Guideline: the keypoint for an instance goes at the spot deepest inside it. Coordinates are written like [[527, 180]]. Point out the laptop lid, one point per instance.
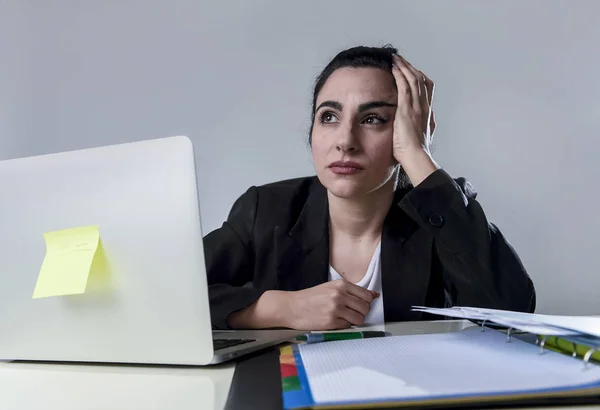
[[146, 301]]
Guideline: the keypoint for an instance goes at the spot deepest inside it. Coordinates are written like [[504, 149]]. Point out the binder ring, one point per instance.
[[508, 336], [574, 349], [542, 343], [588, 355], [483, 325]]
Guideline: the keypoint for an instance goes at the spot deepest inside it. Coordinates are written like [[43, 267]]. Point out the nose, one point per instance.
[[343, 147], [346, 141]]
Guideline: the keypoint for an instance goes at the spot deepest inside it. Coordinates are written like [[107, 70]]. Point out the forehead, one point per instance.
[[360, 84]]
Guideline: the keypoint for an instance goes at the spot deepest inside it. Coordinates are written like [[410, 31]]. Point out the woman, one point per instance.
[[381, 227]]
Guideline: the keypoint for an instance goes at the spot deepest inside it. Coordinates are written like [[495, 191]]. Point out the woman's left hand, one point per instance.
[[414, 123]]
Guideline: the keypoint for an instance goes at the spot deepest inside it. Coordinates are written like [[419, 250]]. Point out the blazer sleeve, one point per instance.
[[229, 255], [480, 267]]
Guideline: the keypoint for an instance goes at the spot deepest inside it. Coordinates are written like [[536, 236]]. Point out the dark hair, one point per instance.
[[355, 57]]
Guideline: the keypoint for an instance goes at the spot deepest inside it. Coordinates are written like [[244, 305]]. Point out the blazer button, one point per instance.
[[436, 220]]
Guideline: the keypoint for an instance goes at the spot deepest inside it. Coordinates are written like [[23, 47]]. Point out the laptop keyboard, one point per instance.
[[219, 344]]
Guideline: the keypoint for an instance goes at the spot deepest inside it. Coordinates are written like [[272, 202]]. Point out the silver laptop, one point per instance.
[[147, 302]]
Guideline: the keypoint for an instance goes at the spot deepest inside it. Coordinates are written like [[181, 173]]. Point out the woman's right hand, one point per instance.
[[337, 304]]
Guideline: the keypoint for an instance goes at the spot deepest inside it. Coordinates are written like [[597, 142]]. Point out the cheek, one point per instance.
[[380, 151], [319, 150]]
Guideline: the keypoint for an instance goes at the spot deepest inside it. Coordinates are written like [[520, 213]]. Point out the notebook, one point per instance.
[[462, 368]]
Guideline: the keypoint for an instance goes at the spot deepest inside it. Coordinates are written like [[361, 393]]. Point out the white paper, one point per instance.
[[468, 363], [589, 325], [585, 324], [533, 323]]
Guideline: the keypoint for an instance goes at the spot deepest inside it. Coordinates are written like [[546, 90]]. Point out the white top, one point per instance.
[[371, 281]]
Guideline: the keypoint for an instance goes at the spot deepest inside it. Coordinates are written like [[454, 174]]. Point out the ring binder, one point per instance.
[[331, 375]]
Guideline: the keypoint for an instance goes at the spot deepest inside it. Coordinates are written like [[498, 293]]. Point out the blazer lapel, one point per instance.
[[405, 268], [302, 253]]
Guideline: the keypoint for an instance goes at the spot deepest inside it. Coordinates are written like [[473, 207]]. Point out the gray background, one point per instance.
[[517, 100]]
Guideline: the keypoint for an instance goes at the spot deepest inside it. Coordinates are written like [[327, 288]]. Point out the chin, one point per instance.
[[343, 192], [346, 188], [351, 187]]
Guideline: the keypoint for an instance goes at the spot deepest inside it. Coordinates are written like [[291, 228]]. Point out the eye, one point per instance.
[[374, 119], [327, 117]]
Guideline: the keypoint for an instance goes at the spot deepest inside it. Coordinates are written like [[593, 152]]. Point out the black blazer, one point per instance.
[[438, 249]]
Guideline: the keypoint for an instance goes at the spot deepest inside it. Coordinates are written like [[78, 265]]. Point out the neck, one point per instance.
[[361, 217]]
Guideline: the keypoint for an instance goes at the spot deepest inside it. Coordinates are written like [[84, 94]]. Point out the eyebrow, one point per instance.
[[362, 107]]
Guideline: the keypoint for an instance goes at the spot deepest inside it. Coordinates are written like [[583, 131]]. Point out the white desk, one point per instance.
[[29, 386], [32, 386]]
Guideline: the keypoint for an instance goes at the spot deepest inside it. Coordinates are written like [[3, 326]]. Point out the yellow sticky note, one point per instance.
[[71, 254]]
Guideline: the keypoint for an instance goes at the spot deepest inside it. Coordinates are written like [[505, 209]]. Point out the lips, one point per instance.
[[345, 167]]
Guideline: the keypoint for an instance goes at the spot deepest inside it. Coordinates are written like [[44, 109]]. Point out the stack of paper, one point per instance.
[[587, 327]]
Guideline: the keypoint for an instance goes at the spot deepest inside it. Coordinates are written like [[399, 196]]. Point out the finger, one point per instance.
[[359, 292], [340, 324], [426, 87], [429, 86], [404, 93], [350, 316], [425, 97], [413, 82], [423, 92], [420, 77], [357, 304], [424, 102]]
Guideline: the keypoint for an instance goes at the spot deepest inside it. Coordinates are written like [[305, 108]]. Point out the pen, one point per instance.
[[328, 337]]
